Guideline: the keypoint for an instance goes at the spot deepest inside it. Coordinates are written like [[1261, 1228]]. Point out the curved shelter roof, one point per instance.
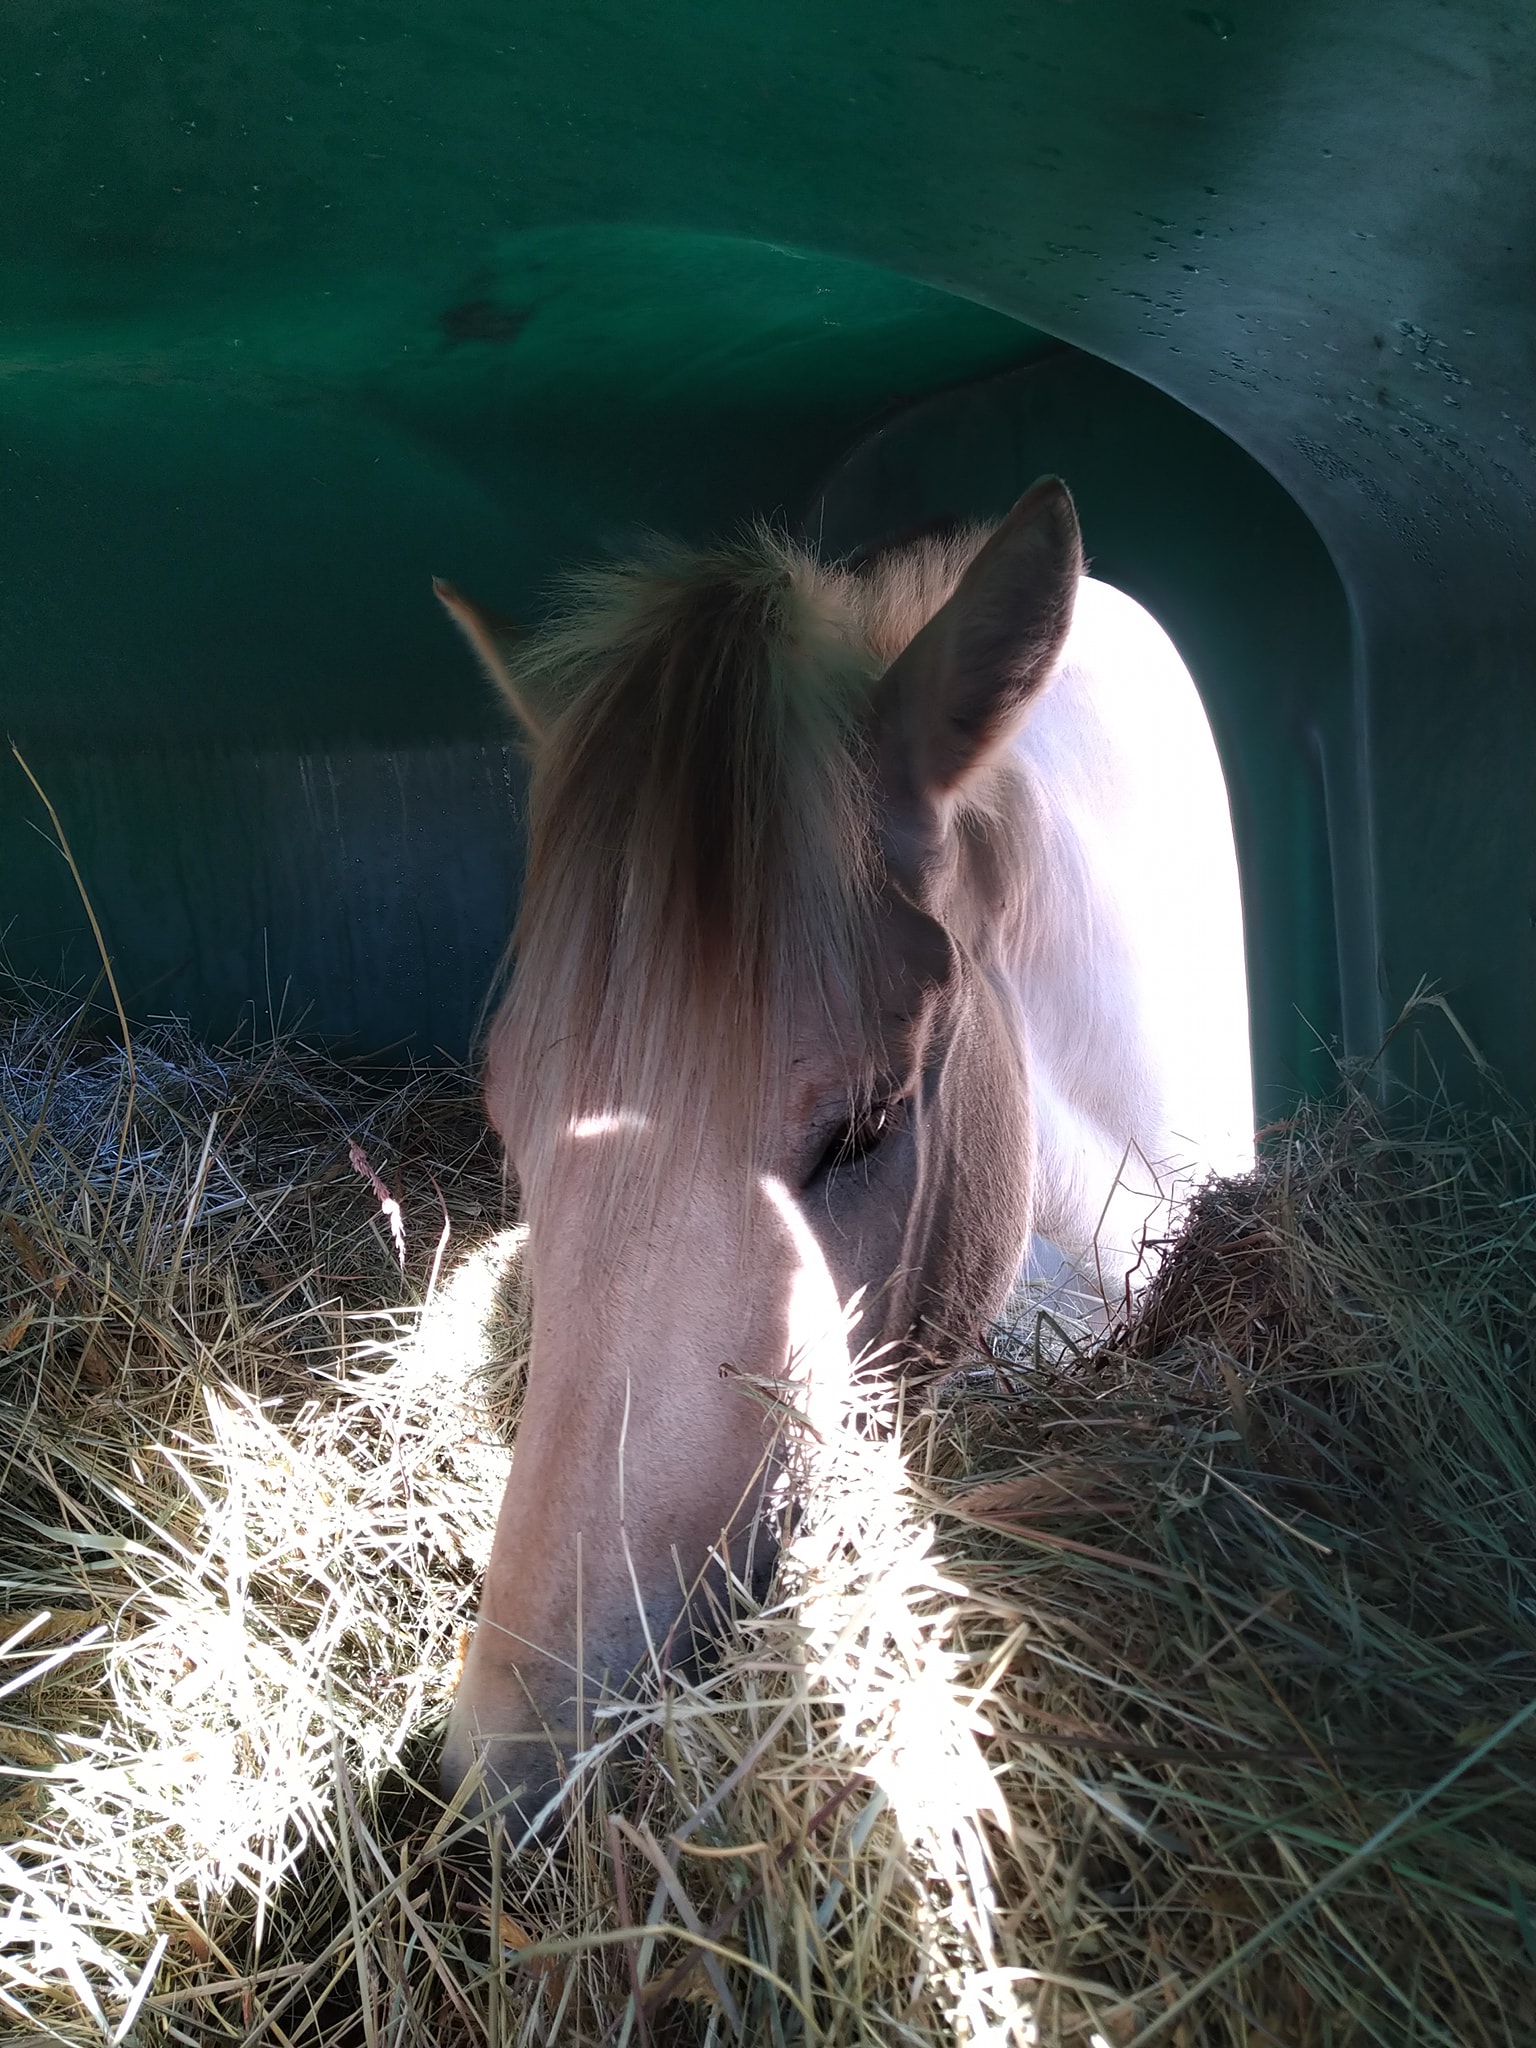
[[304, 302]]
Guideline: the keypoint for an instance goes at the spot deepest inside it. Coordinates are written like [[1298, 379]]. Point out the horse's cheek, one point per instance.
[[984, 1210], [862, 1223]]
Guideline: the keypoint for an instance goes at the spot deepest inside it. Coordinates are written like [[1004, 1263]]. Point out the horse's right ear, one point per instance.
[[960, 690], [492, 637]]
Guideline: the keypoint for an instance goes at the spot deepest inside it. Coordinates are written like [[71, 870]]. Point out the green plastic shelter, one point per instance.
[[302, 303]]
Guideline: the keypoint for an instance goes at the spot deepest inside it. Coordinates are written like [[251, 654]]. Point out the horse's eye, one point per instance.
[[863, 1133]]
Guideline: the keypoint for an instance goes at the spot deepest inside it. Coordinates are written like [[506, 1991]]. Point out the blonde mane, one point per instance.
[[702, 857]]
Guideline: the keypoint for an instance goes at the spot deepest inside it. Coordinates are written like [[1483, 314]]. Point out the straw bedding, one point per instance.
[[1182, 1689]]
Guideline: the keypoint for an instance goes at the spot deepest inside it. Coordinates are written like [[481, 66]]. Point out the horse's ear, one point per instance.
[[959, 690], [492, 637]]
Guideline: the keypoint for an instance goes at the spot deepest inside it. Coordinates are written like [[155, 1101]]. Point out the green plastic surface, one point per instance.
[[301, 304]]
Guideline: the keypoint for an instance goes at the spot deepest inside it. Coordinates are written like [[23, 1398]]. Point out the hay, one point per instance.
[[1270, 1561], [240, 1537], [1177, 1692]]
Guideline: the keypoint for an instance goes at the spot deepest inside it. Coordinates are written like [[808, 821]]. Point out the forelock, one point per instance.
[[701, 861]]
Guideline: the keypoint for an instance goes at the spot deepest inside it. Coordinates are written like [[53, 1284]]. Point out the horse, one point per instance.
[[877, 924]]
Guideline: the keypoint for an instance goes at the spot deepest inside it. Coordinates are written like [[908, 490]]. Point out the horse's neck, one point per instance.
[[1068, 955], [1120, 948]]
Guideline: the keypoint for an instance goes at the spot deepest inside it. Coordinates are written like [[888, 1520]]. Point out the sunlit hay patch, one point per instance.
[[246, 1492], [1176, 1692]]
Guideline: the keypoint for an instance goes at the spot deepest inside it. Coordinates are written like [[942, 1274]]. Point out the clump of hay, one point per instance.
[[1263, 1582], [239, 1530], [1179, 1689]]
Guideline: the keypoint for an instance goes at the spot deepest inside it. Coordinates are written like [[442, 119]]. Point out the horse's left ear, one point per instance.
[[959, 690], [492, 637]]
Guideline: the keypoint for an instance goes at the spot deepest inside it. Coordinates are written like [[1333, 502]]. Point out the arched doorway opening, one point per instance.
[[1182, 521]]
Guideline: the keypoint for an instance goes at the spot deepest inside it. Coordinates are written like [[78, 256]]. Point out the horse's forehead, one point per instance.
[[841, 1034]]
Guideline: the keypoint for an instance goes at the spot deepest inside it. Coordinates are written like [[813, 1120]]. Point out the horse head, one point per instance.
[[759, 1068]]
